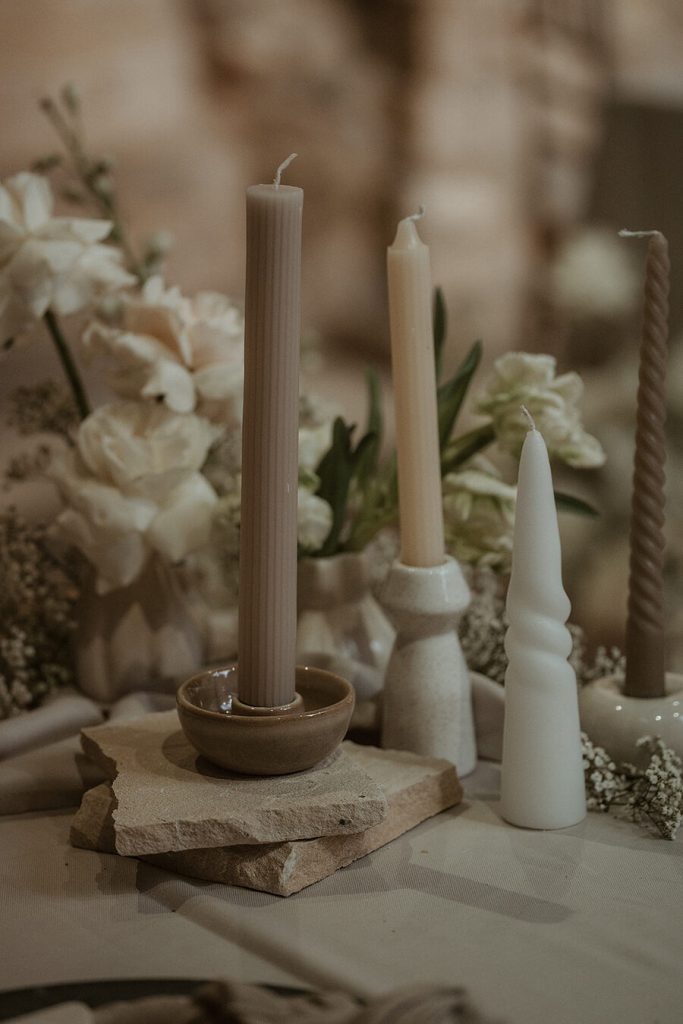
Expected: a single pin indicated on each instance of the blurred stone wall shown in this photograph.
(487, 113)
(518, 125)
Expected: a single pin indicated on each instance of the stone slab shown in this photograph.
(169, 798)
(416, 788)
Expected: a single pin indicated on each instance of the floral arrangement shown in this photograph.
(155, 471)
(134, 481)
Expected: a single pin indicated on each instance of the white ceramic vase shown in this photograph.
(341, 627)
(615, 722)
(139, 637)
(427, 704)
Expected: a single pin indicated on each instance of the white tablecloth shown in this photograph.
(582, 925)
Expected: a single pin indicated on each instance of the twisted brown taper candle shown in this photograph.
(645, 646)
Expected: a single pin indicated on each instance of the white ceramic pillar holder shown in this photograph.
(427, 706)
(616, 722)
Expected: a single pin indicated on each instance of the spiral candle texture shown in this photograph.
(542, 783)
(645, 648)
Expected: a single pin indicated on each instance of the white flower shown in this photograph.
(48, 262)
(188, 352)
(479, 516)
(314, 520)
(521, 379)
(313, 443)
(133, 486)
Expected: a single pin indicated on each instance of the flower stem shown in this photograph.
(68, 365)
(89, 172)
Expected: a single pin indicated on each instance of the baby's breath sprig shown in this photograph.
(37, 619)
(652, 794)
(43, 408)
(655, 793)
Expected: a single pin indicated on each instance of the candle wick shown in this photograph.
(625, 233)
(529, 417)
(282, 167)
(419, 215)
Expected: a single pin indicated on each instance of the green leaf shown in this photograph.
(368, 460)
(570, 503)
(440, 322)
(463, 448)
(336, 470)
(451, 395)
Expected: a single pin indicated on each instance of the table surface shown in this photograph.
(578, 925)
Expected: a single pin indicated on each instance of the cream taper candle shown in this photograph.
(542, 783)
(414, 380)
(268, 531)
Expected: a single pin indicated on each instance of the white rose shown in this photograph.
(48, 262)
(519, 379)
(187, 352)
(133, 486)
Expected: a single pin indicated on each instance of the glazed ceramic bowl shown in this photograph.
(265, 744)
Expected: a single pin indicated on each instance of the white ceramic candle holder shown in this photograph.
(427, 705)
(615, 722)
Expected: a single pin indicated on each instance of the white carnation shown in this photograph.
(519, 379)
(47, 262)
(187, 352)
(133, 486)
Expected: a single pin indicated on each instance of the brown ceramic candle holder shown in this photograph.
(265, 741)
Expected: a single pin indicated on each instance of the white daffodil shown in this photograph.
(187, 352)
(133, 486)
(479, 516)
(520, 379)
(47, 262)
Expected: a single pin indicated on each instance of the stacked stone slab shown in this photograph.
(167, 805)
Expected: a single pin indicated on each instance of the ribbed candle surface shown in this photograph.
(542, 784)
(414, 382)
(268, 532)
(645, 633)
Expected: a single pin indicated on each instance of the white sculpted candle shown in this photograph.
(414, 378)
(542, 784)
(270, 466)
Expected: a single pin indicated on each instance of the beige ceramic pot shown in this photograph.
(276, 741)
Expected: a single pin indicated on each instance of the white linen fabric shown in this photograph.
(582, 924)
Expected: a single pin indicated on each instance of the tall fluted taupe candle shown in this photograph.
(645, 634)
(414, 379)
(268, 532)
